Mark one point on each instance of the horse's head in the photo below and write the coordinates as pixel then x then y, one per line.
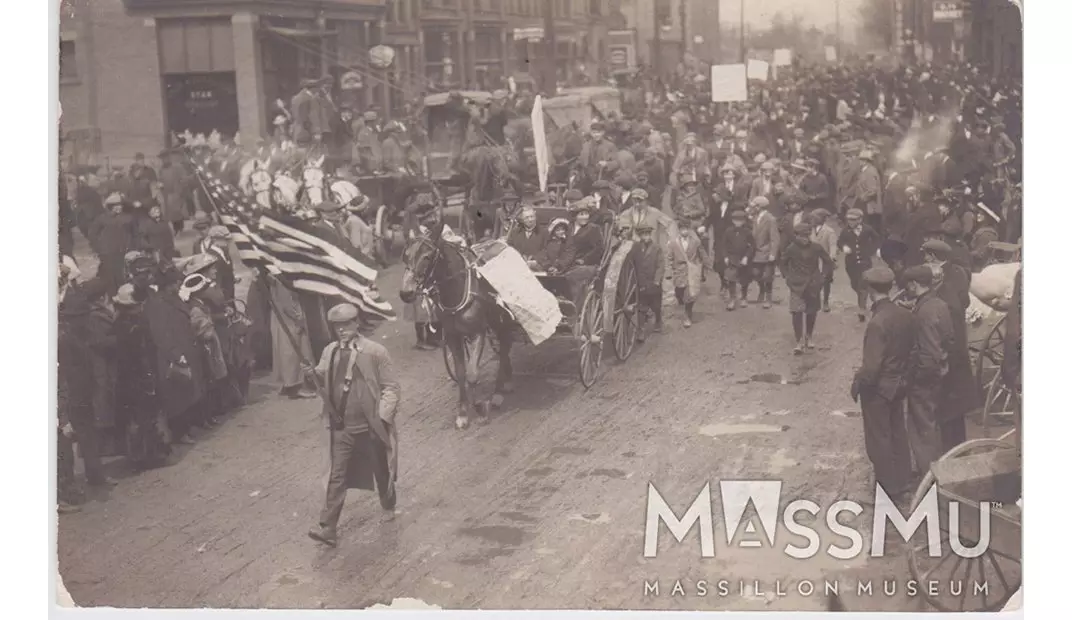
pixel 421 258
pixel 313 180
pixel 285 190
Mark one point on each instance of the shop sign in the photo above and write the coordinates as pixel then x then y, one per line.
pixel 948 11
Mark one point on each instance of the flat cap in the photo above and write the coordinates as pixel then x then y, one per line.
pixel 854 214
pixel 202 220
pixel 920 274
pixel 639 194
pixel 937 247
pixel 573 195
pixel 601 184
pixel 644 228
pixel 738 214
pixel 342 313
pixel 219 232
pixel 759 202
pixel 742 134
pixel 328 206
pixel 767 166
pixel 879 275
pixel 820 215
pixel 802 228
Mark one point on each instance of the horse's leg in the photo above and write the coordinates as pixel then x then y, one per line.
pixel 474 349
pixel 456 343
pixel 504 379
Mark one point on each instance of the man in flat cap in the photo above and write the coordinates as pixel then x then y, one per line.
pixel 815 187
pixel 361 395
pixel 690 204
pixel 691 163
pixel 881 382
pixel 859 243
pixel 767 243
pixel 959 394
pixel 597 152
pixel 310 121
pixel 933 343
pixel 650 263
pixel 868 190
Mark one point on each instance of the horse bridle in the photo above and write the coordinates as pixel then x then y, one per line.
pixel 432 291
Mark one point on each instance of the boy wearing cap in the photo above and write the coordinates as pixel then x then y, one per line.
pixel 930 364
pixel 881 382
pixel 361 395
pixel 859 242
pixel 650 268
pixel 824 235
pixel 738 245
pixel 687 259
pixel 805 266
pixel 767 245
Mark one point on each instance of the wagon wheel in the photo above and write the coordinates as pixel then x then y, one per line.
pixel 988 362
pixel 591 334
pixel 448 357
pixel 625 312
pixel 381 230
pixel 1000 403
pixel 999 568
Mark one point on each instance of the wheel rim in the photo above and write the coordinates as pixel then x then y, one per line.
pixel 591 355
pixel 990 357
pixel 1000 571
pixel 1000 403
pixel 625 314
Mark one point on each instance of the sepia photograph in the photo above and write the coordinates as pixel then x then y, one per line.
pixel 692 305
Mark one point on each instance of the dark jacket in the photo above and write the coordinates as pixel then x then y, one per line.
pixel 816 191
pixel 738 243
pixel 112 234
pixel 650 265
pixel 887 354
pixel 552 253
pixel 583 247
pixel 933 341
pixel 805 267
pixel 529 246
pixel 156 236
pixel 863 248
pixel 179 367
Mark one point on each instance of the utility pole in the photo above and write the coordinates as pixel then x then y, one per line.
pixel 682 16
pixel 656 39
pixel 837 28
pixel 550 46
pixel 742 34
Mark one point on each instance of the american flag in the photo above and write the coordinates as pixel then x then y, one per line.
pixel 303 256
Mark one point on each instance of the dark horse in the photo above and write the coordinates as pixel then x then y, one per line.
pixel 442 272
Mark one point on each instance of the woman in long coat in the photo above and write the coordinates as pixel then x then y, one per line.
pixel 179 369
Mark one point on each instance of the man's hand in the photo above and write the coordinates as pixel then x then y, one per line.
pixel 67 430
pixel 307 369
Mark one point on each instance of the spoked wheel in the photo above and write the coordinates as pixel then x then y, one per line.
pixel 985 582
pixel 992 353
pixel 999 408
pixel 381 231
pixel 591 335
pixel 625 312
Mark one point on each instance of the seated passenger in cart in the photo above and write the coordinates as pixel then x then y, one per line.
pixel 528 239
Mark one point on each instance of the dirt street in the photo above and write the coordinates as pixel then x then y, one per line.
pixel 544 507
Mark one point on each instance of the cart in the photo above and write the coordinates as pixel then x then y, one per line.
pixel 608 310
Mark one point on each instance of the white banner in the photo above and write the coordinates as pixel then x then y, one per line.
pixel 782 57
pixel 758 69
pixel 539 139
pixel 729 83
pixel 831 53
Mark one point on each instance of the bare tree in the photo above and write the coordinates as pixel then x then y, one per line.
pixel 877 19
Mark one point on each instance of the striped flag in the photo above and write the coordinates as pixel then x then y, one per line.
pixel 301 255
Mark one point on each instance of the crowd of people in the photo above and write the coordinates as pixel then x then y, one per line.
pixel 821 167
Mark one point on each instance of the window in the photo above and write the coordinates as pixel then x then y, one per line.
pixel 68 61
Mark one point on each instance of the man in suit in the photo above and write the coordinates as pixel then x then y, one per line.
pixel 691 163
pixel 361 395
pixel 310 122
pixel 730 196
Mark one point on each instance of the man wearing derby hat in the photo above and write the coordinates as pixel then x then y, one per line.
pixel 930 365
pixel 881 382
pixel 310 121
pixel 361 395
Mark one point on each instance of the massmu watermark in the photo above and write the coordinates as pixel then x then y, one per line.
pixel 765 497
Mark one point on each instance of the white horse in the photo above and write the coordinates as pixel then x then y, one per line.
pixel 268 190
pixel 315 184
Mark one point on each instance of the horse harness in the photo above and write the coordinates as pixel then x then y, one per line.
pixel 431 291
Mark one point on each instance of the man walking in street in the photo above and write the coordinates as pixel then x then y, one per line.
pixel 930 365
pixel 361 394
pixel 881 382
pixel 805 266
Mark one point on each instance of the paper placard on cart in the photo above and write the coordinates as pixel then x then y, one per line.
pixel 729 83
pixel 831 53
pixel 758 69
pixel 783 56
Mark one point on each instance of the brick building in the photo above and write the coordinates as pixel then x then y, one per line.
pixel 134 71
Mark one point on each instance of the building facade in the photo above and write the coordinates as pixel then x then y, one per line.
pixel 667 30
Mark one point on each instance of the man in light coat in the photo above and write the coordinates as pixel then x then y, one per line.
pixel 867 190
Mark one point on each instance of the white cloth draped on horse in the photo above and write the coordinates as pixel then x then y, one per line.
pixel 533 307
